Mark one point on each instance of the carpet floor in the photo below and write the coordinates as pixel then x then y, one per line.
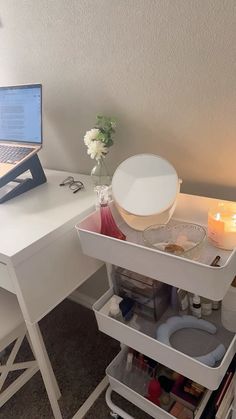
pixel 79 354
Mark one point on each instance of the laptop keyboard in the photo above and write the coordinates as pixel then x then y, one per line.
pixel 13 154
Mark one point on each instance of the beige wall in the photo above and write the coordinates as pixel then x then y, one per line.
pixel 165 68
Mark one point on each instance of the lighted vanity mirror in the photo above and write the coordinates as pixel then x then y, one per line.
pixel 145 188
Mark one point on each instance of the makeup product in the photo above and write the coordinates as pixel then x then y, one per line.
pixel 165 399
pixel 166 383
pixel 114 310
pixel 176 409
pixel 154 391
pixel 127 308
pixel 181 412
pixel 215 262
pixel 152 365
pixel 182 301
pixel 140 373
pixel 206 306
pixel 197 310
pixel 179 394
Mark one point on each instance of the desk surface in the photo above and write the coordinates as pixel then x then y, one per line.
pixel 31 220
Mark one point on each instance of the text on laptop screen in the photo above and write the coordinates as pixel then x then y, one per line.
pixel 21 114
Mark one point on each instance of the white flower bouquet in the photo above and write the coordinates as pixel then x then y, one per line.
pixel 99 138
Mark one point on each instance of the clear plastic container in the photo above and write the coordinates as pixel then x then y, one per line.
pixel 152 297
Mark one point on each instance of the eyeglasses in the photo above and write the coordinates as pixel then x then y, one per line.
pixel 74 185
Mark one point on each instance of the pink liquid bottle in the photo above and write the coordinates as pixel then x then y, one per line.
pixel 108 224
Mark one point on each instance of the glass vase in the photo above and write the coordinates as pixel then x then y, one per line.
pixel 99 174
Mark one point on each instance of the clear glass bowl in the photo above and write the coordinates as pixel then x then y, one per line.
pixel 183 240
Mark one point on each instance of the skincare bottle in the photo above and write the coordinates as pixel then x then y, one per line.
pixel 215 305
pixel 206 306
pixel 114 310
pixel 215 263
pixel 190 299
pixel 197 310
pixel 183 301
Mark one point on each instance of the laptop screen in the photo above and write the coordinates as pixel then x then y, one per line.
pixel 21 113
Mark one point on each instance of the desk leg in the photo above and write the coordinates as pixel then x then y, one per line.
pixel 45 368
pixel 55 385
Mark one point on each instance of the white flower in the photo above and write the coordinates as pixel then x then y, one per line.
pixel 97 149
pixel 91 136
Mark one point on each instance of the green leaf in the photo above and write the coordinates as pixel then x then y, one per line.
pixel 106 125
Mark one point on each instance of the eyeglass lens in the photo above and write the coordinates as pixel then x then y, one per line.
pixel 67 181
pixel 74 185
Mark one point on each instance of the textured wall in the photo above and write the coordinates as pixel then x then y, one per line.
pixel 165 68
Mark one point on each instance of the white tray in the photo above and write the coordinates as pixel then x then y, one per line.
pixel 197 277
pixel 114 373
pixel 144 341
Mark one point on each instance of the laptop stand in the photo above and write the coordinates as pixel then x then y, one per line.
pixel 23 185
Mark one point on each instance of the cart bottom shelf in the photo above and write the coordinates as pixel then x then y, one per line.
pixel 133 386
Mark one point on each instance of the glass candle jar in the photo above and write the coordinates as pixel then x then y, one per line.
pixel 222 225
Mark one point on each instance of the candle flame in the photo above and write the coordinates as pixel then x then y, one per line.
pixel 218 217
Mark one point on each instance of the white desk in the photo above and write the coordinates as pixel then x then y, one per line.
pixel 40 256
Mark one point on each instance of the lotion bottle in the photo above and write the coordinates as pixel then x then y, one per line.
pixel 197 309
pixel 115 310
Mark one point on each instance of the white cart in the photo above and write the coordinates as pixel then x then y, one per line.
pixel 197 277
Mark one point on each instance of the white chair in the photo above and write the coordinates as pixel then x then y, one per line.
pixel 12 329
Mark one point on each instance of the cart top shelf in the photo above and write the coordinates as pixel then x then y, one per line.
pixel 194 276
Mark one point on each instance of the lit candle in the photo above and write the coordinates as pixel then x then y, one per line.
pixel 222 225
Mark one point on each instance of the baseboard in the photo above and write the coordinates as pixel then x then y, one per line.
pixel 83 299
pixel 92 289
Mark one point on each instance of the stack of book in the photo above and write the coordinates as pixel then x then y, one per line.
pixel 221 399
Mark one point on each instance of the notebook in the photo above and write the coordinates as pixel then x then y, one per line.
pixel 20 124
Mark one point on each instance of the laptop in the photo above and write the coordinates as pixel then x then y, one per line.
pixel 20 124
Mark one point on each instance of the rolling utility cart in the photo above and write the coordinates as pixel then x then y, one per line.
pixel 197 277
